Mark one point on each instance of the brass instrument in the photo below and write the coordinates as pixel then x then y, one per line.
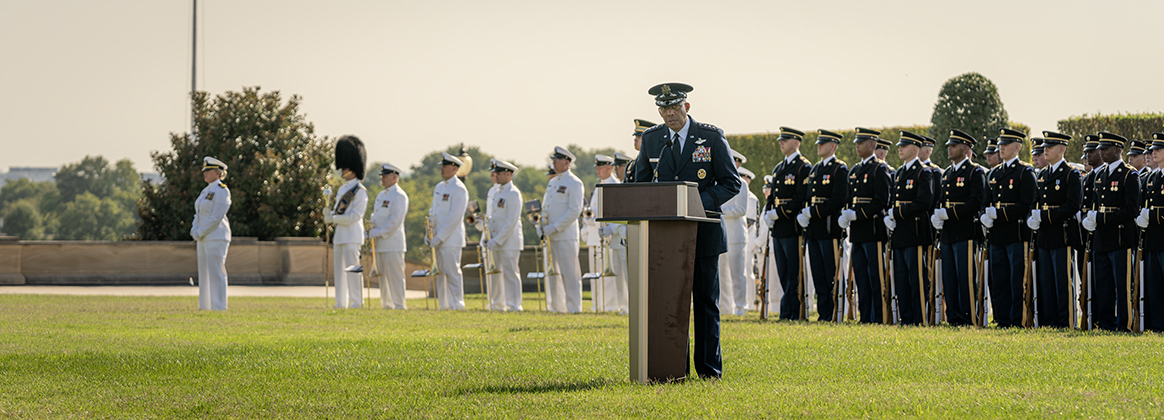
pixel 551 269
pixel 491 266
pixel 472 216
pixel 533 212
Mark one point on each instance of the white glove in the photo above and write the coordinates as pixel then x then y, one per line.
pixel 538 228
pixel 588 221
pixel 986 220
pixel 1079 216
pixel 605 231
pixel 1142 221
pixel 936 221
pixel 807 212
pixel 849 215
pixel 375 232
pixel 1038 214
pixel 941 214
pixel 193 233
pixel 802 219
pixel 436 242
pixel 992 212
pixel 890 223
pixel 1033 221
pixel 329 218
pixel 488 244
pixel 843 223
pixel 1093 215
pixel 426 241
pixel 1089 224
pixel 548 230
pixel 772 215
pixel 1145 213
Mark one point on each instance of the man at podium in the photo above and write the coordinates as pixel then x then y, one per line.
pixel 682 149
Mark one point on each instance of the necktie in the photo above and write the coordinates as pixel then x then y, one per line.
pixel 677 149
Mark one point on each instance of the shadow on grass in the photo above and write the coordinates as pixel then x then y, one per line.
pixel 580 385
pixel 568 328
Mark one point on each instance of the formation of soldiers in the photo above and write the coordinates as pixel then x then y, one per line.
pixel 1052 244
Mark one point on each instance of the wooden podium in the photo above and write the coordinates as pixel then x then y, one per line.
pixel 661 220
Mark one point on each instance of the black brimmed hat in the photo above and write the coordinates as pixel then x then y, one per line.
pixel 668 94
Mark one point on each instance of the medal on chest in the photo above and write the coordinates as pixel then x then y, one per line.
pixel 1011 184
pixel 909 184
pixel 960 181
pixel 1115 186
pixel 385 205
pixel 825 181
pixel 210 195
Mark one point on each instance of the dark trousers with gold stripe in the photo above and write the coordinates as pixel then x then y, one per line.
pixel 787 253
pixel 1109 301
pixel 822 262
pixel 957 267
pixel 911 283
pixel 1054 288
pixel 1007 266
pixel 867 272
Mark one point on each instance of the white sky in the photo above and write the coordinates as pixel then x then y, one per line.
pixel 518 77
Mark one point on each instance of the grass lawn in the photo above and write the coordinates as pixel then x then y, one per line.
pixel 102 356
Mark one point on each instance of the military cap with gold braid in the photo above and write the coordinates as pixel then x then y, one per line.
pixel 910 139
pixel 1051 138
pixel 961 137
pixel 621 158
pixel 1036 146
pixel 790 133
pixel 668 94
pixel 388 168
pixel 1137 147
pixel 866 134
pixel 1157 141
pixel 883 143
pixel 991 146
pixel 1008 136
pixel 826 136
pixel 1090 142
pixel 929 141
pixel 1107 140
pixel 641 126
pixel 600 160
pixel 212 163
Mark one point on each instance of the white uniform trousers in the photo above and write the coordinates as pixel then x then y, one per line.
pixel 750 278
pixel 736 263
pixel 212 275
pixel 450 284
pixel 726 301
pixel 505 287
pixel 391 267
pixel 569 278
pixel 597 289
pixel 349 292
pixel 617 297
pixel 775 290
pixel 554 294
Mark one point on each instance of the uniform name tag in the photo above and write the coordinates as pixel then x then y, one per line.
pixel 701 154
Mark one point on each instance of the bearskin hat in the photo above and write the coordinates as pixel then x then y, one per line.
pixel 350 155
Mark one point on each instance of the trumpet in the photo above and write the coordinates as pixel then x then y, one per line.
pixel 488 236
pixel 550 268
pixel 588 213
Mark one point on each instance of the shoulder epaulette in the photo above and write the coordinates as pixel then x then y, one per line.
pixel 707 126
pixel 223 185
pixel 805 160
pixel 840 162
pixel 656 127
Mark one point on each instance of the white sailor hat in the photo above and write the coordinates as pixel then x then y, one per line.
pixel 767 180
pixel 621 158
pixel 212 163
pixel 501 165
pixel 739 156
pixel 561 152
pixel 551 170
pixel 447 159
pixel 600 160
pixel 745 172
pixel 388 168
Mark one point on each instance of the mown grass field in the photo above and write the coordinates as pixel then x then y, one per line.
pixel 150 357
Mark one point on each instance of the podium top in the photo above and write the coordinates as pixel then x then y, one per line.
pixel 650 201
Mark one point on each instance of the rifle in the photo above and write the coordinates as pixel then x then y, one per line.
pixel 767 247
pixel 838 288
pixel 800 273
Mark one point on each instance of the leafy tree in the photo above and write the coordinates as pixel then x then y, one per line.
pixel 90 218
pixel 969 102
pixel 277 168
pixel 21 218
pixel 43 194
pixel 93 174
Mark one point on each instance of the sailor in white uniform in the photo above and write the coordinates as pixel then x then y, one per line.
pixel 505 238
pixel 212 231
pixel 562 204
pixel 613 289
pixel 449 200
pixel 732 280
pixel 387 229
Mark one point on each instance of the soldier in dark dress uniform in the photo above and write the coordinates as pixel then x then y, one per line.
pixel 1012 195
pixel 828 183
pixel 963 193
pixel 1084 259
pixel 1059 196
pixel 869 192
pixel 933 314
pixel 788 197
pixel 1117 201
pixel 682 149
pixel 640 127
pixel 909 226
pixel 1151 219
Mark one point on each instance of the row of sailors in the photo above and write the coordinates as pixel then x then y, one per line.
pixel 903 224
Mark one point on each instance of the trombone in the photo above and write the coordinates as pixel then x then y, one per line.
pixel 534 213
pixel 433 270
pixel 472 217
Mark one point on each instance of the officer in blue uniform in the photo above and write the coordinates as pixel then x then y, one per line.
pixel 1012 196
pixel 640 127
pixel 908 222
pixel 963 193
pixel 1059 196
pixel 869 192
pixel 682 149
pixel 828 187
pixel 1117 194
pixel 786 200
pixel 1151 219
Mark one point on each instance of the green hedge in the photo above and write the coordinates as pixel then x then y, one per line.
pixel 1132 126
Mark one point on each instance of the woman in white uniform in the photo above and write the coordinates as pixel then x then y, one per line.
pixel 212 231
